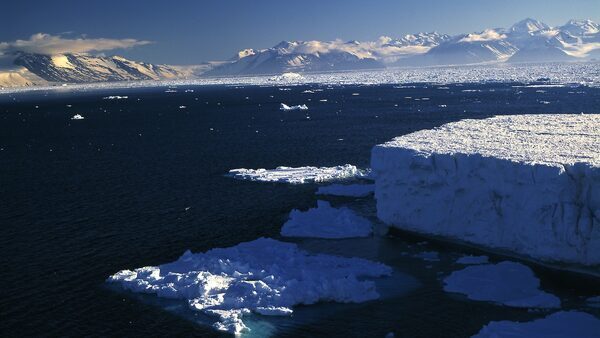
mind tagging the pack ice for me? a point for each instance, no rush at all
(529, 184)
(264, 276)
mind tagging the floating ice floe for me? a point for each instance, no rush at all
(347, 190)
(508, 283)
(526, 184)
(115, 97)
(299, 175)
(284, 106)
(264, 276)
(77, 117)
(563, 324)
(326, 222)
(472, 260)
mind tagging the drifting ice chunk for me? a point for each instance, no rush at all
(507, 283)
(298, 175)
(557, 325)
(348, 190)
(529, 184)
(287, 77)
(263, 276)
(115, 97)
(284, 106)
(326, 222)
(77, 117)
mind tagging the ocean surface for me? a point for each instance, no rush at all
(140, 180)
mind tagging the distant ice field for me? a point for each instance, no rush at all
(552, 74)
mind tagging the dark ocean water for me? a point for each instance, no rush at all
(139, 181)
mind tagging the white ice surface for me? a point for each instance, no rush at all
(527, 184)
(326, 222)
(284, 106)
(562, 324)
(348, 190)
(263, 276)
(299, 175)
(508, 283)
(77, 117)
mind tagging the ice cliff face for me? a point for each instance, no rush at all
(529, 184)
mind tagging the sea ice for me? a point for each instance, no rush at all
(326, 222)
(508, 283)
(263, 276)
(299, 175)
(284, 106)
(528, 184)
(348, 190)
(563, 324)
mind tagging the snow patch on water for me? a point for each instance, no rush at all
(508, 283)
(557, 325)
(264, 276)
(284, 106)
(326, 222)
(299, 175)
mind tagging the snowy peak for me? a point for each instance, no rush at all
(528, 26)
(581, 27)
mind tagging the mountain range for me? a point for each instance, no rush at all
(526, 41)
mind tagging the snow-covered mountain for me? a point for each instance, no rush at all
(300, 56)
(88, 68)
(529, 40)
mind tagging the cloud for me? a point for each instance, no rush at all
(486, 35)
(42, 43)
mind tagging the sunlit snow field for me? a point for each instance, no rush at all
(143, 178)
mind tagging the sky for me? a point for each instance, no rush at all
(193, 31)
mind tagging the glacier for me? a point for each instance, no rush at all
(264, 276)
(326, 221)
(527, 185)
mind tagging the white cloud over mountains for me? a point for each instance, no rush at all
(42, 43)
(486, 35)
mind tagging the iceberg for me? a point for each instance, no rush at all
(265, 276)
(77, 117)
(326, 222)
(508, 283)
(284, 106)
(299, 175)
(563, 324)
(526, 184)
(347, 190)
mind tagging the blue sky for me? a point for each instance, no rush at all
(188, 31)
